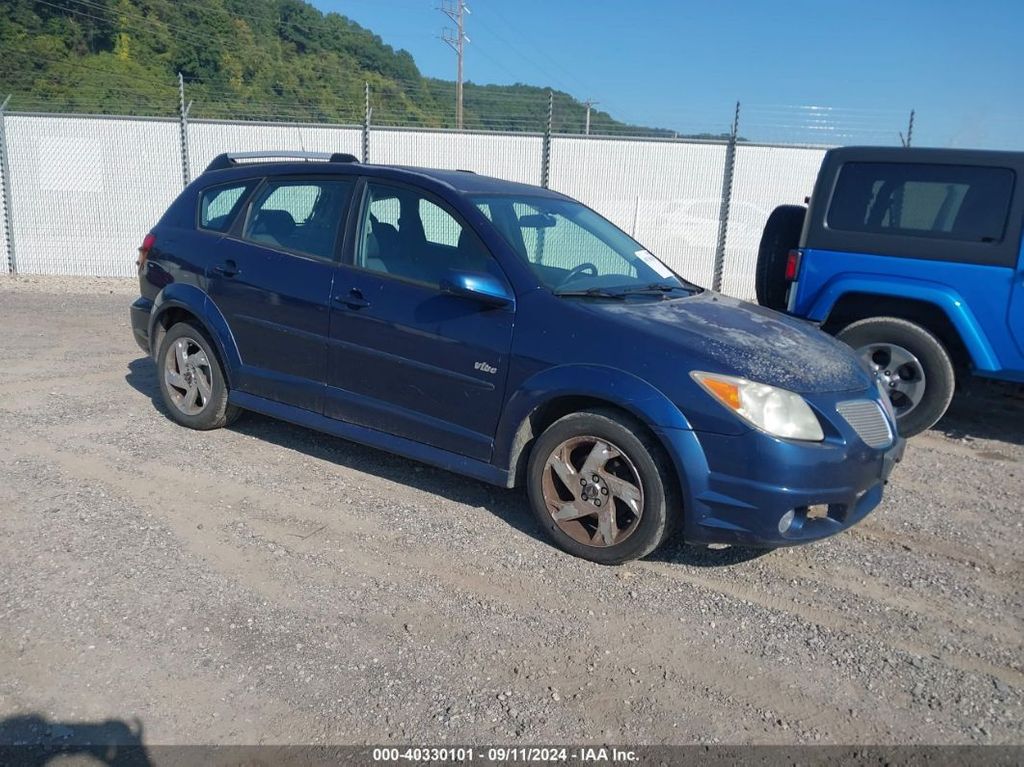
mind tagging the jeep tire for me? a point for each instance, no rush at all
(781, 234)
(910, 363)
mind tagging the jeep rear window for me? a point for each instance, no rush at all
(952, 202)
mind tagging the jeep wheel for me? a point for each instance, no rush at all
(781, 234)
(601, 487)
(910, 363)
(191, 380)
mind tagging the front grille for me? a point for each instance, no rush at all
(868, 420)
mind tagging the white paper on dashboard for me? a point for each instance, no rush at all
(655, 264)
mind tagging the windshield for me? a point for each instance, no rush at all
(573, 250)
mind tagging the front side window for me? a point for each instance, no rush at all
(219, 205)
(955, 202)
(299, 216)
(407, 234)
(571, 248)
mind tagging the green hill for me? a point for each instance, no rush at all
(249, 59)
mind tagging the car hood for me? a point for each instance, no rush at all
(739, 338)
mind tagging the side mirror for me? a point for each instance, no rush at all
(484, 288)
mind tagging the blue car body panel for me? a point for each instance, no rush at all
(450, 381)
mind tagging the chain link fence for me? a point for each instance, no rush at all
(82, 191)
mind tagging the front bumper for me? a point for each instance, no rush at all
(139, 313)
(757, 490)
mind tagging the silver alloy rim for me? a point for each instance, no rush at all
(593, 491)
(188, 376)
(900, 373)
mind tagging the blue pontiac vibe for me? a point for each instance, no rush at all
(508, 333)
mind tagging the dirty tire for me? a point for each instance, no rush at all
(209, 409)
(781, 234)
(940, 378)
(637, 462)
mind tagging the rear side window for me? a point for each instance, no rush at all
(299, 216)
(953, 202)
(219, 205)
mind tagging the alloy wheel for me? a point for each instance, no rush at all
(188, 376)
(900, 373)
(593, 491)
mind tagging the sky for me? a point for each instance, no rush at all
(834, 70)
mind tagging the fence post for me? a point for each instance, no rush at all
(186, 170)
(5, 172)
(545, 155)
(367, 112)
(723, 212)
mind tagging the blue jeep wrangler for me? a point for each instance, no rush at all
(914, 258)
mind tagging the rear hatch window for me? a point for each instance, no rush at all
(951, 202)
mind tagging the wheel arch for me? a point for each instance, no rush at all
(540, 402)
(943, 314)
(179, 302)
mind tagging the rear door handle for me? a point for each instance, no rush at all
(228, 268)
(353, 299)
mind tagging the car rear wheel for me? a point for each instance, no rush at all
(911, 364)
(192, 381)
(601, 487)
(781, 234)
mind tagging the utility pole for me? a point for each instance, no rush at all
(456, 10)
(589, 103)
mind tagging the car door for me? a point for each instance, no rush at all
(405, 357)
(272, 282)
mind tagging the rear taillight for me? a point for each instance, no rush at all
(147, 244)
(792, 264)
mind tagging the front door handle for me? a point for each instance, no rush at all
(229, 268)
(353, 299)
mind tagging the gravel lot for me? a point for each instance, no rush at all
(268, 584)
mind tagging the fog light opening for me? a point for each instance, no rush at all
(819, 511)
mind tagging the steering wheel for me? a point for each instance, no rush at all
(576, 271)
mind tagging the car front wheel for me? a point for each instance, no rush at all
(601, 487)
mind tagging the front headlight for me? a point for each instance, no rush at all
(779, 412)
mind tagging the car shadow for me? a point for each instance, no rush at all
(141, 376)
(988, 411)
(508, 505)
(675, 552)
(30, 740)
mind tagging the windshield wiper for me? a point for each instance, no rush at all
(592, 292)
(661, 287)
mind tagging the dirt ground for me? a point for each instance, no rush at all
(268, 584)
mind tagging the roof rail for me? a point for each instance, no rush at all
(231, 159)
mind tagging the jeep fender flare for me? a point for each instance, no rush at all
(950, 302)
(179, 295)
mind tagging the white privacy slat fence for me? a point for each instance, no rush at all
(659, 192)
(85, 190)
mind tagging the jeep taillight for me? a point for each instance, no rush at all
(147, 244)
(792, 264)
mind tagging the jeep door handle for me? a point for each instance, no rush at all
(353, 300)
(228, 268)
